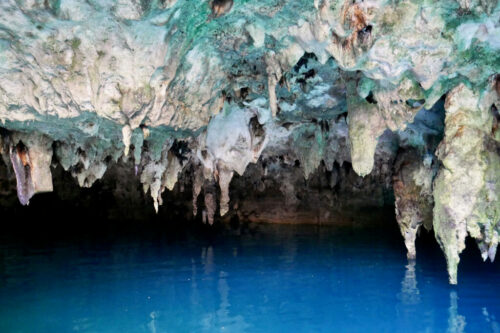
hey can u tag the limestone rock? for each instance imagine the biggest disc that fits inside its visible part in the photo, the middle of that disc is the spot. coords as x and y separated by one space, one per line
467 185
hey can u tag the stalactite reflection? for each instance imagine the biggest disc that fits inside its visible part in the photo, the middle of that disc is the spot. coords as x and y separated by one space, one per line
410 294
490 319
207 257
456 322
152 323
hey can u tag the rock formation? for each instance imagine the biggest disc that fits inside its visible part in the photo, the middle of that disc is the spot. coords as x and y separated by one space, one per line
325 105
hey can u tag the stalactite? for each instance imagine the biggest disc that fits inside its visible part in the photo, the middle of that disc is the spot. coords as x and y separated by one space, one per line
174 167
467 184
127 136
197 186
210 196
273 70
22 167
412 178
224 178
152 172
31 157
366 125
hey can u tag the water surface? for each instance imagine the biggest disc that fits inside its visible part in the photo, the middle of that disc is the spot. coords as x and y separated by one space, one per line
268 279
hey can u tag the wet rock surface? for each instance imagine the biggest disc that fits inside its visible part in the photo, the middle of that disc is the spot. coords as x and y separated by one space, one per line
277 111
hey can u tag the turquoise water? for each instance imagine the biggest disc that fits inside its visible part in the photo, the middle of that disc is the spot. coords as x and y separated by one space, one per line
268 279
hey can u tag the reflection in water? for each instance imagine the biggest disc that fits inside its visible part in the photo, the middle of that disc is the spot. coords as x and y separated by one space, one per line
320 280
456 322
207 257
410 295
495 327
230 323
290 249
409 290
195 297
220 319
152 323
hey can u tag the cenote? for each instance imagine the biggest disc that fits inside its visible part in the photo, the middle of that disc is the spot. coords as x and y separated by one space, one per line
237 278
249 166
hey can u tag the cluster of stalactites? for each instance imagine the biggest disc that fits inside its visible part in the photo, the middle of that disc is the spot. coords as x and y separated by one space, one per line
31 155
467 186
160 172
233 139
457 191
372 112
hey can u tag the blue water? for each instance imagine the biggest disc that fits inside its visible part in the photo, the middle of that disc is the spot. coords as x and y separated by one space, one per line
272 279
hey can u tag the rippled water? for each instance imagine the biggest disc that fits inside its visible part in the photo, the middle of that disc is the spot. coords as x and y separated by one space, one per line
273 279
